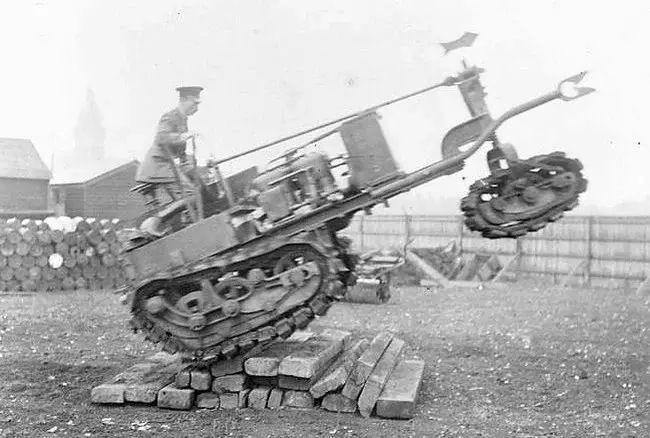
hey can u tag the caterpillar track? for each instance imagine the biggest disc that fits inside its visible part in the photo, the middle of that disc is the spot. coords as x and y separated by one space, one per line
525 197
254 301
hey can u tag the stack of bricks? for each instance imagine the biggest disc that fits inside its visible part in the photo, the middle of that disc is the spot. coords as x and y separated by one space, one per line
328 370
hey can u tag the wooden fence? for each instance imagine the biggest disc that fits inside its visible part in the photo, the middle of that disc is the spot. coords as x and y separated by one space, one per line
598 250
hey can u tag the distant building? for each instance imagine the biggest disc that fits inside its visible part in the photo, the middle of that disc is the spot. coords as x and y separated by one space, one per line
24 180
89 132
86 182
99 189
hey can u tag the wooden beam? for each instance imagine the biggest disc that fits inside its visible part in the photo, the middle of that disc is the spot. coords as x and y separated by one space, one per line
644 286
426 268
509 263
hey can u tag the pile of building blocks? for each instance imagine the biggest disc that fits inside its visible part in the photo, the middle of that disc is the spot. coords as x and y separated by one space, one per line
330 370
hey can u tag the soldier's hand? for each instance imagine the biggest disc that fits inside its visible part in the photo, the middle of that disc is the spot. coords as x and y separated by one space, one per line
189 134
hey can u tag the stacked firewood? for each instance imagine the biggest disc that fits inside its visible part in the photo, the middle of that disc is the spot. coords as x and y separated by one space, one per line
60 253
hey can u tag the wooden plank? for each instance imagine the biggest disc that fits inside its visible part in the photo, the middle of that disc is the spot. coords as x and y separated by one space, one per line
365 364
336 377
401 392
426 268
377 380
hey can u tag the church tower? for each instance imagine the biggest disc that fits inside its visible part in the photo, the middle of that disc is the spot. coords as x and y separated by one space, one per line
89 132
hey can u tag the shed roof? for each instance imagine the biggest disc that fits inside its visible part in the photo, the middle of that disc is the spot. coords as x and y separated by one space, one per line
20 159
90 172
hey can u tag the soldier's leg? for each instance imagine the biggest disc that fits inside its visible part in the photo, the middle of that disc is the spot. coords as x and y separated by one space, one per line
183 198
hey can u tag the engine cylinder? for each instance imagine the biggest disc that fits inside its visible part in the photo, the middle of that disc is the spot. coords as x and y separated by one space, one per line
262 182
320 171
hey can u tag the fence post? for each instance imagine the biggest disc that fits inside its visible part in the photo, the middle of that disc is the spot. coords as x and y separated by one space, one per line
361 239
590 226
407 230
461 233
518 250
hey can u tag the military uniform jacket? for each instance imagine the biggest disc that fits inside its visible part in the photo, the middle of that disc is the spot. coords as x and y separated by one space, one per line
156 166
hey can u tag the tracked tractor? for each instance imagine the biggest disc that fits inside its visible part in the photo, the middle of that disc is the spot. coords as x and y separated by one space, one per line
257 255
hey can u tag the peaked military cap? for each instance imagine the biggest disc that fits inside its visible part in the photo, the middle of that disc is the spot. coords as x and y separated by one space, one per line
189 91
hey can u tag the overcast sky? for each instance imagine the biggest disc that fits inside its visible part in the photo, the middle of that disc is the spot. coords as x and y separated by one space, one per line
271 68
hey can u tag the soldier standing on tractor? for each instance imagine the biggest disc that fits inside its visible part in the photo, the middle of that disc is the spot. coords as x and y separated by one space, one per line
170 143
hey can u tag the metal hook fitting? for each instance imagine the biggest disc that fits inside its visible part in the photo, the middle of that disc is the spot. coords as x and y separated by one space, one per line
568 89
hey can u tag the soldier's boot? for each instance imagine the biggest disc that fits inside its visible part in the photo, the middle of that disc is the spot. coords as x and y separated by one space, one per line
153 226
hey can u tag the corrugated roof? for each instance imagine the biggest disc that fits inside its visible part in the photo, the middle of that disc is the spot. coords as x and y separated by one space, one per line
83 173
20 159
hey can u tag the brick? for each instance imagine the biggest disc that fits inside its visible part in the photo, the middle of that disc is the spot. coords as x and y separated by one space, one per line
146 390
108 393
183 378
243 398
300 336
304 384
378 378
365 364
337 402
112 391
235 365
401 392
229 400
139 383
225 367
336 377
275 398
314 355
247 341
266 363
231 383
172 397
258 396
295 383
201 380
207 400
297 399
264 381
336 334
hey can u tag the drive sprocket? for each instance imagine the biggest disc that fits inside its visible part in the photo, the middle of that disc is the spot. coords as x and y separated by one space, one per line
524 197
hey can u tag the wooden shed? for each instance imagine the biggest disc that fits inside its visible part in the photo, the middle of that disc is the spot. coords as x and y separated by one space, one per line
100 190
24 180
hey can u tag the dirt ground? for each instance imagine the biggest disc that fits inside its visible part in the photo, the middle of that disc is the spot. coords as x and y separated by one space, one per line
522 361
